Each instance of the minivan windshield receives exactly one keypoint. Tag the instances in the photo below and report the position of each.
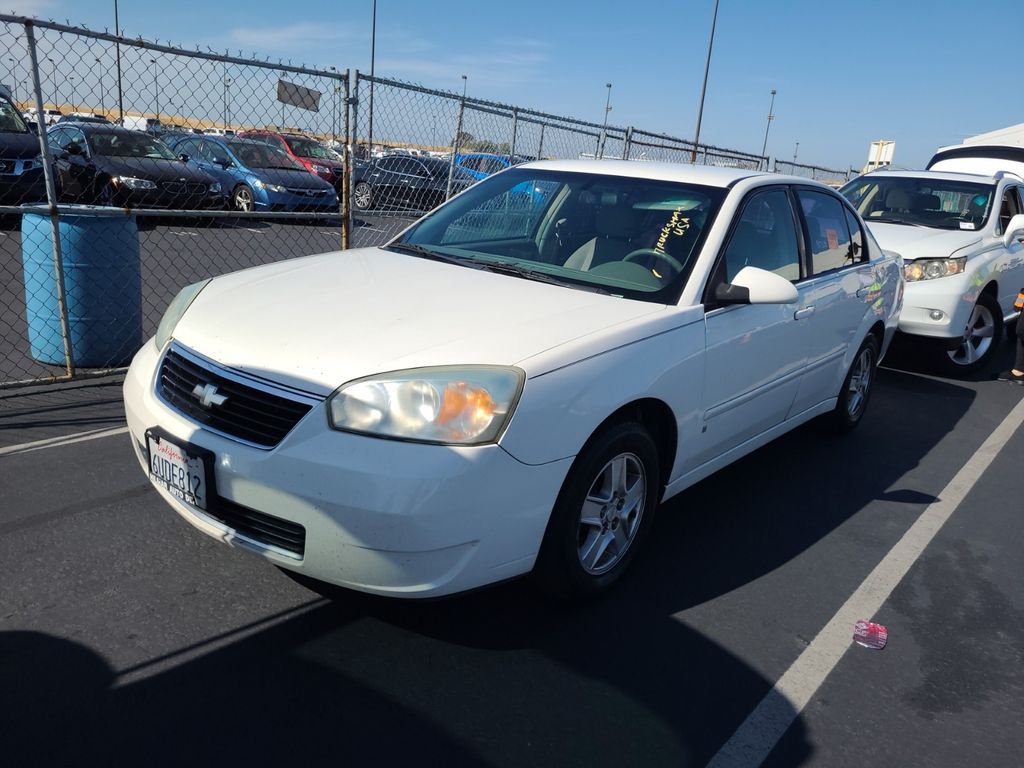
(919, 201)
(630, 237)
(10, 120)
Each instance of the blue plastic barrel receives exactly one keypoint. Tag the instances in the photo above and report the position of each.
(102, 284)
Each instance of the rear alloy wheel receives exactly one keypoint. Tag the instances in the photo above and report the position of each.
(242, 199)
(856, 391)
(605, 507)
(362, 196)
(980, 339)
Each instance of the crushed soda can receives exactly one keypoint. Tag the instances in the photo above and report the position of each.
(870, 635)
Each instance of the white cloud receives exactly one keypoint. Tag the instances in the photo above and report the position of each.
(290, 39)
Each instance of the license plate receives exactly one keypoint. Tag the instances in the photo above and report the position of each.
(181, 471)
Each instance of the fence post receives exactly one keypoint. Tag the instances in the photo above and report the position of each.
(540, 144)
(599, 152)
(51, 199)
(515, 128)
(353, 109)
(346, 187)
(627, 143)
(455, 147)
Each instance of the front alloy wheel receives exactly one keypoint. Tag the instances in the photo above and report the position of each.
(242, 199)
(980, 339)
(602, 513)
(362, 196)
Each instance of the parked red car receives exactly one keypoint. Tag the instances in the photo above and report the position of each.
(318, 159)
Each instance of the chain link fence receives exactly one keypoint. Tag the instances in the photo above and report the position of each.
(828, 176)
(147, 166)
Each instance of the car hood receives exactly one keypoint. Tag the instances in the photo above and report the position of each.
(287, 177)
(150, 168)
(320, 321)
(922, 242)
(17, 146)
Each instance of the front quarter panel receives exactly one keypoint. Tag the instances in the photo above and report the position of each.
(560, 410)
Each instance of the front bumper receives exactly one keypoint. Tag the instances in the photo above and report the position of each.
(954, 297)
(29, 187)
(287, 201)
(381, 516)
(157, 199)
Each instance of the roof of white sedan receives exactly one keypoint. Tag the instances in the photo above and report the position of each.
(707, 175)
(942, 175)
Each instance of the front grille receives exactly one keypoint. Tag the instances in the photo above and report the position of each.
(306, 192)
(179, 188)
(249, 413)
(261, 528)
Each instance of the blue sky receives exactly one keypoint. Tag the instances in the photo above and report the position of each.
(923, 74)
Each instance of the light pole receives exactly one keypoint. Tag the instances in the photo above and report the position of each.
(704, 88)
(604, 128)
(156, 88)
(334, 108)
(14, 78)
(53, 80)
(71, 80)
(373, 57)
(103, 100)
(117, 47)
(771, 117)
(227, 107)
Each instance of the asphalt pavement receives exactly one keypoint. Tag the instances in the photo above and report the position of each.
(128, 637)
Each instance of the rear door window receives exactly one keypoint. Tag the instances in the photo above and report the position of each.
(827, 230)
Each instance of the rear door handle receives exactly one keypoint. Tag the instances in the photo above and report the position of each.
(800, 314)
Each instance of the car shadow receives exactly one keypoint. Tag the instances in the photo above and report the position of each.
(504, 676)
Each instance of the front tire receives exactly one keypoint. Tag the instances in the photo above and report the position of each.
(362, 196)
(980, 341)
(242, 199)
(857, 387)
(602, 513)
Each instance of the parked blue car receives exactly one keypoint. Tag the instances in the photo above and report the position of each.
(482, 164)
(255, 176)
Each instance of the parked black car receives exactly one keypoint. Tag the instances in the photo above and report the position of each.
(109, 165)
(21, 168)
(413, 182)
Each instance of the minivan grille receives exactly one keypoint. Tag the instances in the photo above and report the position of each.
(248, 413)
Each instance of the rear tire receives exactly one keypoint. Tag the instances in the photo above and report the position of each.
(602, 513)
(857, 387)
(362, 196)
(981, 339)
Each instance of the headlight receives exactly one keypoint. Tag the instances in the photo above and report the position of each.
(215, 187)
(258, 184)
(175, 310)
(321, 169)
(465, 405)
(275, 188)
(131, 182)
(929, 269)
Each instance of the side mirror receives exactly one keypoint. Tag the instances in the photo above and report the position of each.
(74, 149)
(183, 157)
(1014, 230)
(224, 163)
(756, 286)
(32, 126)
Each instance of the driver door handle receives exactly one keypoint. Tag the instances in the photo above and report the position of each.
(800, 314)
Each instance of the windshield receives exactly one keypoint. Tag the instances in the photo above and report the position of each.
(10, 120)
(129, 145)
(256, 155)
(314, 149)
(937, 203)
(636, 238)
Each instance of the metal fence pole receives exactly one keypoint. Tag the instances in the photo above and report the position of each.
(540, 144)
(346, 187)
(455, 146)
(627, 143)
(515, 128)
(51, 198)
(352, 118)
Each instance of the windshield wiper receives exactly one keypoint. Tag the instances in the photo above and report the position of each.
(426, 253)
(894, 220)
(526, 273)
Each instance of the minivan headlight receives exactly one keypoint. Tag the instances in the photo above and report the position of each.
(175, 310)
(930, 269)
(462, 405)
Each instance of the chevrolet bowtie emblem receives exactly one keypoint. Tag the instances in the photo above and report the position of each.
(207, 395)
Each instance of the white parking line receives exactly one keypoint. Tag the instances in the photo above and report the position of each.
(762, 729)
(54, 442)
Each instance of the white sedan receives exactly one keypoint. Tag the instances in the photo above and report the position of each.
(517, 381)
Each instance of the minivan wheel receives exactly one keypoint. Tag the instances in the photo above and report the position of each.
(362, 196)
(602, 513)
(980, 339)
(857, 386)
